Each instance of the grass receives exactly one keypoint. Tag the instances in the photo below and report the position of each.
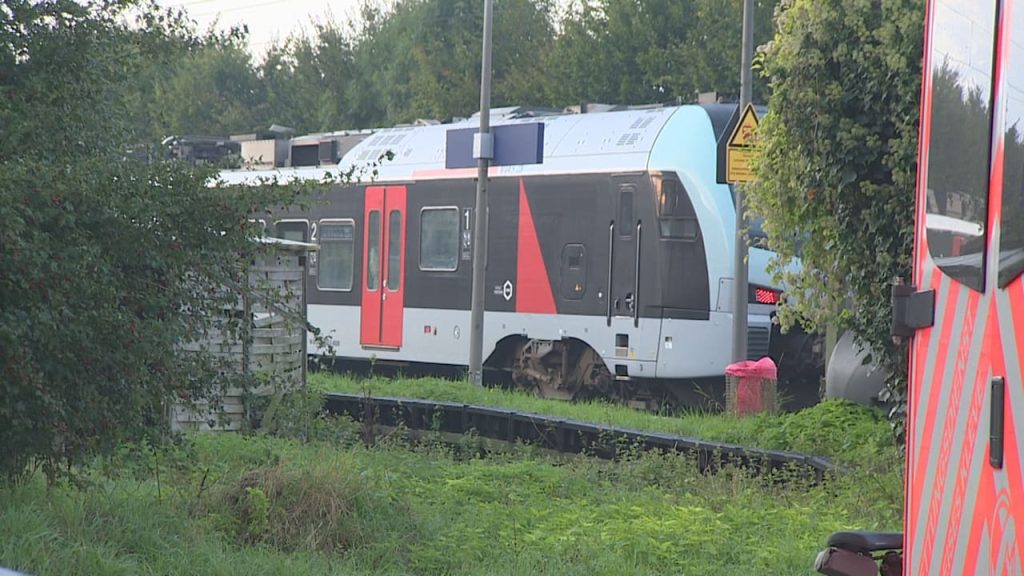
(257, 504)
(839, 430)
(247, 505)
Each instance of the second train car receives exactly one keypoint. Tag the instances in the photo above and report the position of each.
(609, 265)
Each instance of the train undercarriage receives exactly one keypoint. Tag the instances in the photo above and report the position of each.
(569, 369)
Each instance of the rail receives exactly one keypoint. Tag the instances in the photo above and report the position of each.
(565, 435)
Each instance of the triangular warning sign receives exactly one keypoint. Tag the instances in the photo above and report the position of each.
(744, 133)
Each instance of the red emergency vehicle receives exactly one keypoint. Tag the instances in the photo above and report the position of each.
(965, 487)
(964, 313)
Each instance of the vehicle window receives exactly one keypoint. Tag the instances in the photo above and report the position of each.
(676, 218)
(373, 251)
(337, 255)
(394, 278)
(291, 230)
(626, 222)
(1011, 233)
(439, 239)
(960, 137)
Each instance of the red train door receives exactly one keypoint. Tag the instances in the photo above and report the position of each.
(383, 267)
(965, 490)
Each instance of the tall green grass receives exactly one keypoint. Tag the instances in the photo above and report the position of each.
(230, 504)
(836, 429)
(320, 501)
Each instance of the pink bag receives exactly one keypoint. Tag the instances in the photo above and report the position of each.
(754, 384)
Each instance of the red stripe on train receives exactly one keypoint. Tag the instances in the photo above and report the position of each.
(533, 293)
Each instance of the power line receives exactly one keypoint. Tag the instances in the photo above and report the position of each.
(237, 8)
(193, 3)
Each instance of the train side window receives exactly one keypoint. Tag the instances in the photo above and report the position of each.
(294, 230)
(574, 271)
(373, 251)
(337, 255)
(439, 239)
(392, 282)
(626, 219)
(1011, 234)
(960, 139)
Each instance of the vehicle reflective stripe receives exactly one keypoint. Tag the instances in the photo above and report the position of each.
(925, 463)
(923, 269)
(972, 457)
(1013, 343)
(949, 407)
(1011, 309)
(922, 399)
(968, 392)
(923, 352)
(958, 551)
(937, 346)
(994, 546)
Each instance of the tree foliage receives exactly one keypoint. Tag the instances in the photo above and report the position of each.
(646, 51)
(420, 59)
(108, 264)
(836, 179)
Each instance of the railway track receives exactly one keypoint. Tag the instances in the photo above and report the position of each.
(565, 435)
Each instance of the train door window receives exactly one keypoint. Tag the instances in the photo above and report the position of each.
(960, 139)
(626, 219)
(574, 271)
(394, 278)
(295, 230)
(1011, 234)
(373, 251)
(439, 239)
(337, 254)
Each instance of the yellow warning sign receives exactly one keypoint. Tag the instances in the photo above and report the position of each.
(742, 148)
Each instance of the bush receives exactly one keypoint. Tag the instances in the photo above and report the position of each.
(836, 176)
(108, 263)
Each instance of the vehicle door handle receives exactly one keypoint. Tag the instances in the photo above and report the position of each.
(997, 423)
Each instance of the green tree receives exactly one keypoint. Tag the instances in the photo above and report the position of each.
(307, 79)
(836, 178)
(646, 51)
(107, 264)
(420, 59)
(214, 89)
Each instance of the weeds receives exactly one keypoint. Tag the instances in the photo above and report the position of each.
(316, 499)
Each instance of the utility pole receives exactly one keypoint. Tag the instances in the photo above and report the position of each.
(739, 300)
(483, 151)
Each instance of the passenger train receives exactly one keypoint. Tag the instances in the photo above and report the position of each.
(609, 265)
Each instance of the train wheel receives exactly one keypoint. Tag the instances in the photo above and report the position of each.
(562, 369)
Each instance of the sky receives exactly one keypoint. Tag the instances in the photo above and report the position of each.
(268, 20)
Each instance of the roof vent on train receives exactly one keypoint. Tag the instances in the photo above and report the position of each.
(266, 149)
(327, 148)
